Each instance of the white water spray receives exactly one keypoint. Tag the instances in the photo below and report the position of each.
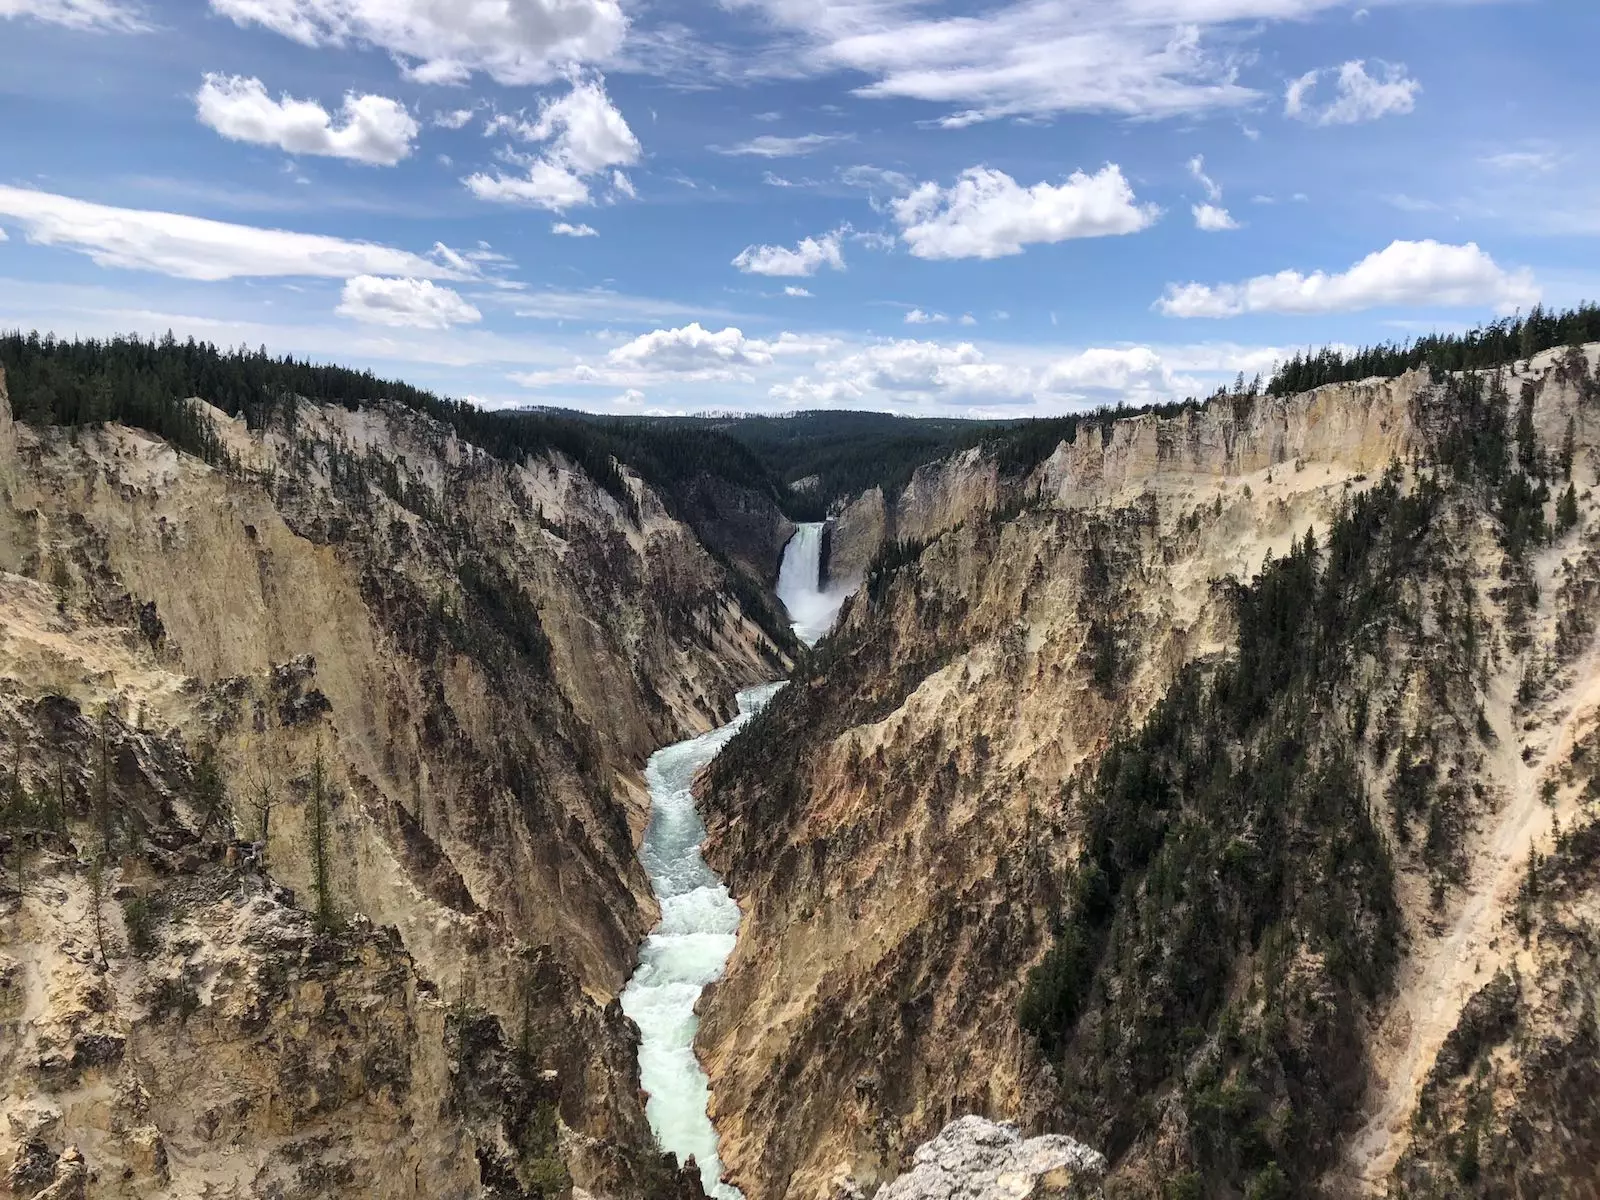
(812, 607)
(699, 919)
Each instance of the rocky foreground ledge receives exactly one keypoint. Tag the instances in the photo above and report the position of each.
(977, 1159)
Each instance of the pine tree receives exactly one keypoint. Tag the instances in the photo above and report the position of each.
(1568, 448)
(102, 785)
(97, 887)
(327, 918)
(1567, 509)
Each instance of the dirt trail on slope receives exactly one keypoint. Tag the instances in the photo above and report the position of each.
(1444, 970)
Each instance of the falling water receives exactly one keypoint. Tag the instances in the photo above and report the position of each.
(699, 919)
(811, 606)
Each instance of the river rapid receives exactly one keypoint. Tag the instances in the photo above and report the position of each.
(699, 919)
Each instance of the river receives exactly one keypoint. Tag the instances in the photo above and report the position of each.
(699, 919)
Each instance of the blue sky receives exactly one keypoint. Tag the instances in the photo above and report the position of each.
(1009, 208)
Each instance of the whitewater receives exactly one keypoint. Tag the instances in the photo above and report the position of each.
(699, 919)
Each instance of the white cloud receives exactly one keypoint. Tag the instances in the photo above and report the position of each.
(454, 119)
(790, 290)
(78, 14)
(3, 236)
(986, 214)
(516, 42)
(623, 186)
(585, 130)
(807, 258)
(372, 129)
(771, 146)
(1197, 168)
(690, 348)
(584, 135)
(566, 229)
(969, 319)
(1136, 58)
(1212, 219)
(1424, 273)
(1358, 96)
(405, 303)
(198, 248)
(917, 317)
(546, 185)
(688, 354)
(1539, 161)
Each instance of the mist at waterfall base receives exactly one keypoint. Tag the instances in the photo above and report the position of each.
(812, 608)
(699, 919)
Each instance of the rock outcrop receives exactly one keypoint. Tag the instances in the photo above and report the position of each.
(976, 1159)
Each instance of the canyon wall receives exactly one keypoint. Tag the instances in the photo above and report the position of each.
(474, 657)
(901, 823)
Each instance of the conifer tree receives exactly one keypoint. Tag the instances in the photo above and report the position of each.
(327, 918)
(1567, 509)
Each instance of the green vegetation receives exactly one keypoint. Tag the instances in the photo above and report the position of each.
(327, 916)
(1488, 346)
(841, 454)
(1232, 910)
(148, 385)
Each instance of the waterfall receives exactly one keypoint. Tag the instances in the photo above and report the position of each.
(812, 607)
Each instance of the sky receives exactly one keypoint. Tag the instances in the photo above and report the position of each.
(644, 206)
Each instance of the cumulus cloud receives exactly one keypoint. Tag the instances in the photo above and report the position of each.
(915, 373)
(1358, 96)
(455, 118)
(694, 350)
(78, 14)
(405, 303)
(515, 42)
(198, 248)
(1212, 219)
(688, 354)
(583, 134)
(770, 146)
(917, 317)
(369, 129)
(1424, 273)
(806, 258)
(791, 290)
(566, 229)
(987, 214)
(546, 185)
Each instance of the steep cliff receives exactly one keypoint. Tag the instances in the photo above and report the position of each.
(471, 657)
(909, 824)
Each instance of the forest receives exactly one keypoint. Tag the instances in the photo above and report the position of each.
(1503, 341)
(148, 385)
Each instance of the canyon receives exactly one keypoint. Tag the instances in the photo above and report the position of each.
(395, 803)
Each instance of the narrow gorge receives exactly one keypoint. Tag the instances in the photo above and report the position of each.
(1191, 802)
(699, 920)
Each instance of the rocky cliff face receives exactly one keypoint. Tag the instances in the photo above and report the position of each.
(472, 658)
(901, 823)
